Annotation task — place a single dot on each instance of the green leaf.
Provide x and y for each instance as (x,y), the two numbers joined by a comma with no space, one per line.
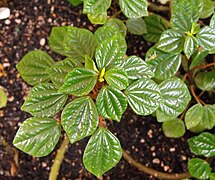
(109,51)
(205,80)
(174,128)
(212,22)
(208,9)
(136,68)
(206,37)
(199,168)
(212,176)
(136,26)
(56,39)
(3,98)
(79,82)
(190,45)
(164,65)
(111,103)
(198,58)
(33,66)
(44,101)
(118,24)
(79,42)
(75,2)
(161,117)
(102,153)
(60,69)
(90,64)
(155,26)
(96,7)
(37,136)
(134,8)
(117,78)
(195,28)
(181,22)
(143,96)
(171,41)
(199,118)
(80,118)
(203,144)
(175,96)
(98,18)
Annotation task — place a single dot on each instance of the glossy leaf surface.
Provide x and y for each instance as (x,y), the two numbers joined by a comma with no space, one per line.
(3,98)
(198,58)
(205,80)
(96,7)
(118,24)
(102,153)
(44,100)
(190,45)
(90,64)
(136,26)
(37,136)
(212,21)
(98,19)
(208,9)
(80,118)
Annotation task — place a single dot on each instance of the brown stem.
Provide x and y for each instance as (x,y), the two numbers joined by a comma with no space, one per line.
(150,171)
(100,121)
(195,96)
(157,8)
(204,66)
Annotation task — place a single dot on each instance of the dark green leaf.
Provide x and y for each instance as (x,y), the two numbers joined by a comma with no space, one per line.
(208,9)
(80,118)
(174,128)
(205,80)
(90,64)
(79,82)
(75,2)
(96,7)
(199,168)
(143,96)
(171,41)
(175,96)
(98,18)
(190,45)
(136,26)
(118,24)
(37,136)
(117,78)
(203,144)
(44,100)
(102,153)
(198,58)
(3,98)
(155,26)
(111,103)
(33,67)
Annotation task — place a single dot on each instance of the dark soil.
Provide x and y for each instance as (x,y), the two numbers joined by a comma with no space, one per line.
(28,29)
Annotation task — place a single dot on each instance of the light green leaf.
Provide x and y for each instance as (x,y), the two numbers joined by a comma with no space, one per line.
(109,51)
(206,37)
(3,98)
(143,96)
(75,2)
(44,101)
(90,64)
(195,28)
(117,78)
(164,65)
(190,45)
(33,66)
(171,41)
(155,26)
(161,117)
(205,80)
(135,68)
(80,118)
(37,136)
(79,42)
(96,7)
(136,26)
(174,128)
(212,22)
(134,8)
(212,176)
(98,18)
(60,69)
(203,144)
(102,153)
(118,24)
(111,103)
(175,96)
(199,168)
(208,9)
(79,82)
(198,58)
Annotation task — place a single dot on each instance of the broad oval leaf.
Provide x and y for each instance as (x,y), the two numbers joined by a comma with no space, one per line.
(33,66)
(96,7)
(208,9)
(80,118)
(134,8)
(155,26)
(161,117)
(37,136)
(198,58)
(136,26)
(79,81)
(60,69)
(98,18)
(174,128)
(143,96)
(117,78)
(44,100)
(190,45)
(171,41)
(203,144)
(181,22)
(199,168)
(118,24)
(102,153)
(135,67)
(175,95)
(205,80)
(111,103)
(206,38)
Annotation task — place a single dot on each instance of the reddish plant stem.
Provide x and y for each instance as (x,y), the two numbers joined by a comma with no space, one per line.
(198,100)
(204,66)
(100,121)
